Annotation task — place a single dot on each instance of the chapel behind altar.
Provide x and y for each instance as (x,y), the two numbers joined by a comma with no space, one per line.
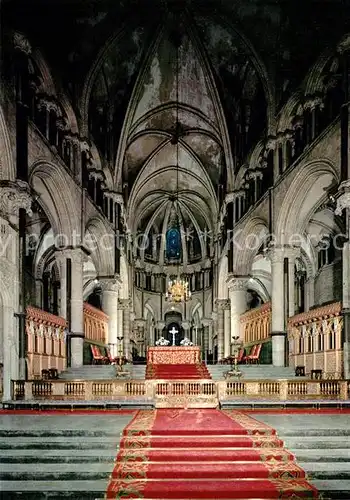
(175,176)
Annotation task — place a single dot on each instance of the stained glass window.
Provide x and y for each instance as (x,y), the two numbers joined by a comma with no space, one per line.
(173,244)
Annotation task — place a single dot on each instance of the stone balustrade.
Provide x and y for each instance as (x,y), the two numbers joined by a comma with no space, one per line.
(46,346)
(256,324)
(315,340)
(179,393)
(95,324)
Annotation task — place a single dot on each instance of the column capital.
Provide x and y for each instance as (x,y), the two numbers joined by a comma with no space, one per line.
(124,304)
(237,283)
(207,321)
(186,325)
(271,143)
(21,43)
(276,253)
(13,196)
(76,254)
(344,44)
(343,201)
(222,304)
(313,102)
(253,174)
(111,284)
(160,325)
(284,136)
(139,323)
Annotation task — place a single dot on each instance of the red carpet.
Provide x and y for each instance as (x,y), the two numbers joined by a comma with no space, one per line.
(188,371)
(193,454)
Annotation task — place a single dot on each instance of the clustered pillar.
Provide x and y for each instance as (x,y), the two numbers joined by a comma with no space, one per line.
(125,305)
(221,306)
(238,303)
(282,271)
(71,300)
(110,292)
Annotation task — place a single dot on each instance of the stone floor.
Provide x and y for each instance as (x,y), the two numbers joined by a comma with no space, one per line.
(71,456)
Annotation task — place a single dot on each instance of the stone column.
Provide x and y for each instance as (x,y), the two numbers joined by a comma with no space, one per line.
(13,196)
(343,203)
(186,326)
(152,334)
(110,291)
(139,330)
(292,254)
(159,329)
(277,254)
(227,334)
(61,260)
(125,305)
(211,340)
(291,286)
(205,347)
(237,286)
(221,305)
(278,332)
(77,320)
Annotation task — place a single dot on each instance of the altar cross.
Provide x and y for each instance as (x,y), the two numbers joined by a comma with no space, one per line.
(173,331)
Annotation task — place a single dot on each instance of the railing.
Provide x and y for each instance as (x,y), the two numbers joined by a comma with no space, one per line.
(284,390)
(256,324)
(315,340)
(188,394)
(45,340)
(194,394)
(95,324)
(88,390)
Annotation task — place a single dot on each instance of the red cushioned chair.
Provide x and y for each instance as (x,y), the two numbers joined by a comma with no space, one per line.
(254,356)
(97,357)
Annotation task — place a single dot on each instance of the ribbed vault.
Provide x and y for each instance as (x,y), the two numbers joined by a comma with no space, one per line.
(174,145)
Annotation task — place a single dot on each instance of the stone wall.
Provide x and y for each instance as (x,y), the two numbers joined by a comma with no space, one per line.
(328,284)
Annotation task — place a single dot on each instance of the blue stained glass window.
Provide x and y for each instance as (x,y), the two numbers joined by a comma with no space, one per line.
(173,244)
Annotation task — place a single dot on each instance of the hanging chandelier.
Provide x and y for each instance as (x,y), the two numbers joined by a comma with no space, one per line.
(178,291)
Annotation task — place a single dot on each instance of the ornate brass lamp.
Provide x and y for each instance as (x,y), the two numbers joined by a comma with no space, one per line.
(178,291)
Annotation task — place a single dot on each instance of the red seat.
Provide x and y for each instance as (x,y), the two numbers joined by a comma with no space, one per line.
(240,356)
(110,357)
(254,356)
(97,356)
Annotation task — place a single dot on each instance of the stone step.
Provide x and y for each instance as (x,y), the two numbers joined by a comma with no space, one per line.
(100,470)
(52,475)
(317,455)
(316,442)
(67,434)
(86,489)
(91,443)
(324,470)
(58,468)
(95,489)
(76,442)
(80,471)
(285,433)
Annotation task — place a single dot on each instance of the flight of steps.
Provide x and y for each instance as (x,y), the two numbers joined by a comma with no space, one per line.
(321,444)
(89,372)
(253,371)
(58,457)
(138,372)
(102,372)
(49,457)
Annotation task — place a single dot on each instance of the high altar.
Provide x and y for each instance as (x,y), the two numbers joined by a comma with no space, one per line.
(174,355)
